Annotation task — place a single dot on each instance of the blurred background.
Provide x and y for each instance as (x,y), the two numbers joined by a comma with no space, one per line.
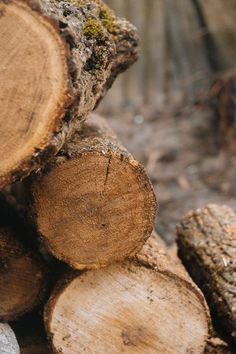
(175,108)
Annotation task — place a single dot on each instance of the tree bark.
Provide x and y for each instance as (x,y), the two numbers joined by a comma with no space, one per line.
(132,307)
(220,25)
(58,58)
(207,246)
(22,277)
(8,342)
(94,204)
(217,346)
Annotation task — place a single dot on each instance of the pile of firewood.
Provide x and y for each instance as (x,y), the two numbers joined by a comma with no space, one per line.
(75,241)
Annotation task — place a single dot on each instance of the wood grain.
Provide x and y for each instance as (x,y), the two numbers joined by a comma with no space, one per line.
(139,306)
(57,60)
(94,204)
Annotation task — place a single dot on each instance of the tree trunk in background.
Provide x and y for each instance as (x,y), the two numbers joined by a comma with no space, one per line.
(220,18)
(184,44)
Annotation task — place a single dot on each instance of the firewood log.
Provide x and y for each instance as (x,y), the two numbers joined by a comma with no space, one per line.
(22,277)
(57,59)
(8,342)
(141,306)
(94,204)
(207,246)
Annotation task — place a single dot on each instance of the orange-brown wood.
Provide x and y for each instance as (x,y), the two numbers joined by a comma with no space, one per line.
(22,277)
(94,204)
(57,59)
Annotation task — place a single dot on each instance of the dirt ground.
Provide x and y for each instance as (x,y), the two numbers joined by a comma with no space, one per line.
(180,154)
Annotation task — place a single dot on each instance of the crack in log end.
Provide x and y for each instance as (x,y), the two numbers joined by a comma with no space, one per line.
(107,171)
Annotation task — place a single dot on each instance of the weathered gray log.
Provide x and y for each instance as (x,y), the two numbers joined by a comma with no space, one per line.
(58,58)
(207,246)
(8,342)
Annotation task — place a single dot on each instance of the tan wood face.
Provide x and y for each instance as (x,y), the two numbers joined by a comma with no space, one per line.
(126,309)
(94,210)
(33,83)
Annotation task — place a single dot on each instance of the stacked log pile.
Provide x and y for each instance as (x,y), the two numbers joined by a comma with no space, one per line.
(82,256)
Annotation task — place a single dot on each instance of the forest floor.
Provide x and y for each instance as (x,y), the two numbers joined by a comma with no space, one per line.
(181,156)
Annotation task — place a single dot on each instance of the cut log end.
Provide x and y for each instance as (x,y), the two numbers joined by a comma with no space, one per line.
(57,60)
(34,79)
(96,204)
(22,278)
(95,211)
(126,308)
(8,342)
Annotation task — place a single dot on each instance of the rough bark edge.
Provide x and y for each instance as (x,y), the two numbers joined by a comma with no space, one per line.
(152,205)
(220,310)
(217,346)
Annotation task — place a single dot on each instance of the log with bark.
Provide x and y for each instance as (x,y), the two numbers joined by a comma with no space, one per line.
(148,305)
(8,342)
(207,246)
(23,277)
(94,204)
(57,59)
